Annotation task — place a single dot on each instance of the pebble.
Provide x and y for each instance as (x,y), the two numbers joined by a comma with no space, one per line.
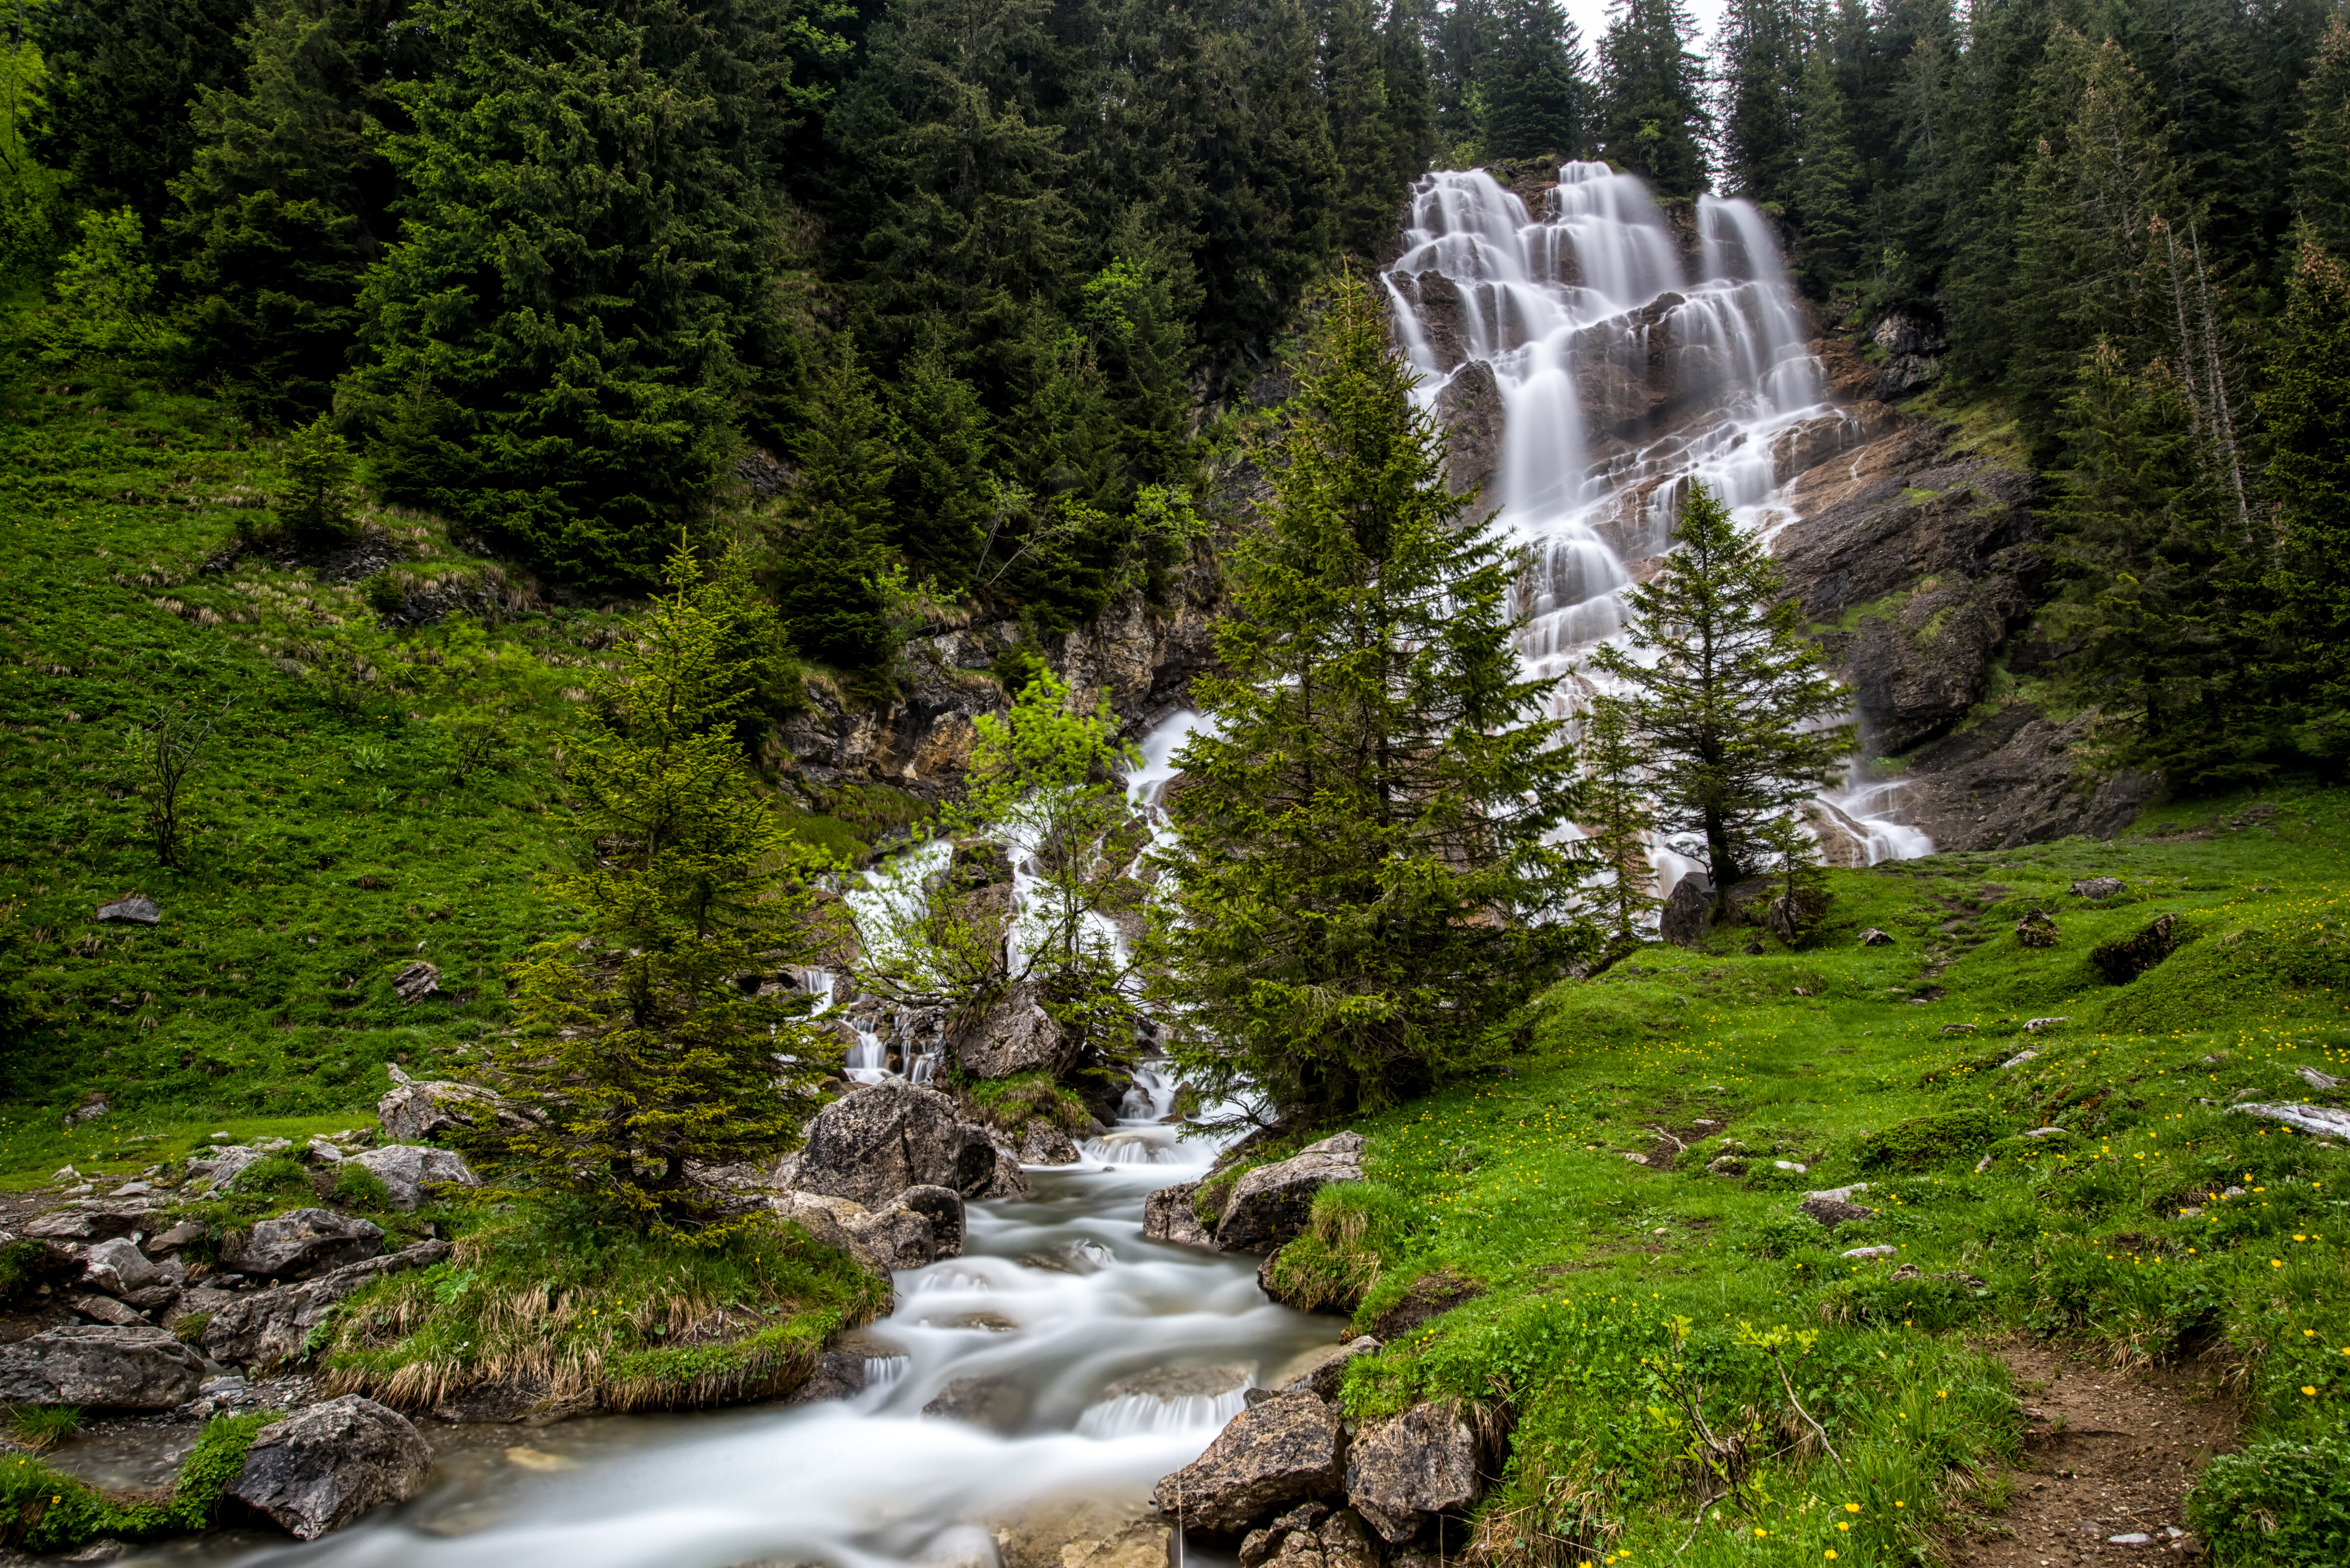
(1872,1253)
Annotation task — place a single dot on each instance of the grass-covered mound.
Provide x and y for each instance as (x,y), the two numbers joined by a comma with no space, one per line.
(549,1310)
(1687,1362)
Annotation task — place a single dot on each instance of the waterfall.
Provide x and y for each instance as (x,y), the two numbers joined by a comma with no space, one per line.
(1632,357)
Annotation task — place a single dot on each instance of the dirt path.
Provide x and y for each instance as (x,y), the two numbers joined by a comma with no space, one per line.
(2108,1454)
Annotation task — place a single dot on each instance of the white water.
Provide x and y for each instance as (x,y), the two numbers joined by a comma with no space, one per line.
(1698,371)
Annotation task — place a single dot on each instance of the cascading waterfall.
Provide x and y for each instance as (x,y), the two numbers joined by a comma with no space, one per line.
(1630,361)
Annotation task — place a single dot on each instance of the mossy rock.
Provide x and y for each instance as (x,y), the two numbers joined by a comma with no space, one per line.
(1923,1142)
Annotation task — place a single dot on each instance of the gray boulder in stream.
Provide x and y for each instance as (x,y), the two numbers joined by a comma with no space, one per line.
(872,1145)
(102,1366)
(1401,1471)
(1285,1449)
(1270,1205)
(322,1468)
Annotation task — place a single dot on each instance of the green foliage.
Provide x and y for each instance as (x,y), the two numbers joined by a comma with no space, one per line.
(2308,485)
(1533,97)
(317,466)
(1923,1142)
(106,319)
(1732,710)
(356,1187)
(1822,185)
(1764,74)
(22,1264)
(28,190)
(1616,818)
(636,1049)
(1653,115)
(47,1510)
(120,79)
(41,1428)
(2282,1504)
(1360,843)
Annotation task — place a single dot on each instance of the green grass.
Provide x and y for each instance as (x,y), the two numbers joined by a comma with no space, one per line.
(569,1306)
(41,1428)
(1642,1327)
(45,1509)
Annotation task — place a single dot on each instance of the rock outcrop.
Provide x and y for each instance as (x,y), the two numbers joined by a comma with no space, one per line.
(1012,1035)
(271,1328)
(417,1109)
(1271,1204)
(1167,1216)
(304,1241)
(407,1169)
(1285,1449)
(1402,1470)
(869,1145)
(322,1468)
(101,1367)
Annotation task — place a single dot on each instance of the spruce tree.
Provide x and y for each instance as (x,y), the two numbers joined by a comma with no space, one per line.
(1762,81)
(1826,174)
(121,78)
(1616,820)
(942,493)
(1411,94)
(1359,876)
(1460,37)
(1533,96)
(1362,133)
(636,1049)
(287,202)
(586,288)
(2321,176)
(1730,701)
(1653,118)
(829,552)
(2308,490)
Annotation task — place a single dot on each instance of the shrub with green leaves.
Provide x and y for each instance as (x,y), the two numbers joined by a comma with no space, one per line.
(2276,1505)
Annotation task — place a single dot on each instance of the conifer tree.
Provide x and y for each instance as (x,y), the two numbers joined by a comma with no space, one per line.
(2308,485)
(1616,820)
(1362,131)
(1761,82)
(941,490)
(1730,701)
(288,203)
(1411,95)
(1359,878)
(1460,37)
(121,78)
(829,553)
(1532,95)
(1653,118)
(636,1051)
(1826,174)
(2320,177)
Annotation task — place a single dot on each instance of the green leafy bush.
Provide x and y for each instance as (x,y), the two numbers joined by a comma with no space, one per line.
(2276,1505)
(356,1187)
(44,1509)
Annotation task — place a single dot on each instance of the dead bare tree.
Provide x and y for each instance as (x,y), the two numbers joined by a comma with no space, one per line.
(166,748)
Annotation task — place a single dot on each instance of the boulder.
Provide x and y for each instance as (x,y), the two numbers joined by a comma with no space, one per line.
(268,1327)
(322,1468)
(1270,1205)
(417,1108)
(897,1236)
(1832,1213)
(2036,930)
(1042,1142)
(827,1227)
(1873,938)
(96,1220)
(839,1374)
(103,1366)
(1323,1369)
(119,1268)
(406,1169)
(1144,1543)
(2099,887)
(221,1167)
(1011,1034)
(1167,1216)
(138,909)
(183,1233)
(945,1209)
(1427,1460)
(999,1404)
(523,1398)
(872,1145)
(1688,912)
(1008,1181)
(1282,1450)
(107,1310)
(304,1241)
(2320,1121)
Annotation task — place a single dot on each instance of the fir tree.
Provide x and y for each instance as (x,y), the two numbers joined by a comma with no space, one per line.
(1362,132)
(1730,702)
(1653,118)
(2308,487)
(1412,93)
(2320,177)
(1533,97)
(1827,173)
(1762,81)
(122,75)
(941,490)
(636,1051)
(318,468)
(288,203)
(1616,820)
(829,554)
(1356,888)
(1460,37)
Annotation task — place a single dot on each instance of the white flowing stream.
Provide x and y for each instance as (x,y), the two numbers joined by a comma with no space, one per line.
(1113,1360)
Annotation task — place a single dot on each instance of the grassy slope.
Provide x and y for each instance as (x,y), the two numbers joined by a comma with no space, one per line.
(1626,1305)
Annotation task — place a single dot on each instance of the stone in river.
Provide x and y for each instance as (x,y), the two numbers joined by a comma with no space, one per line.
(1400,1470)
(1280,1452)
(322,1468)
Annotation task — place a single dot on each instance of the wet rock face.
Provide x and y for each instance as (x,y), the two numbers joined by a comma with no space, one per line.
(1401,1471)
(322,1468)
(1470,407)
(304,1241)
(2009,781)
(1012,1035)
(1000,1405)
(268,1327)
(1270,1205)
(101,1367)
(1280,1452)
(872,1145)
(1323,1370)
(1167,1217)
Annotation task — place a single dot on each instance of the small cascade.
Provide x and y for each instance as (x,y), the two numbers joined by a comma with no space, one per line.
(1632,359)
(1150,1415)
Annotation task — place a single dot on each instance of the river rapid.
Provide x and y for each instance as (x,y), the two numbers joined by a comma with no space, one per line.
(1057,1301)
